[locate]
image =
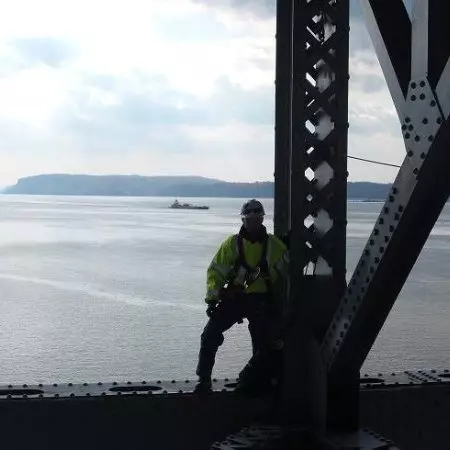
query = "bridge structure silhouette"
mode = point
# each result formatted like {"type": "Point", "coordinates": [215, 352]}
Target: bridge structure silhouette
{"type": "Point", "coordinates": [322, 402]}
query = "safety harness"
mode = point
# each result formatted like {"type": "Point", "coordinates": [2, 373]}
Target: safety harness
{"type": "Point", "coordinates": [251, 273]}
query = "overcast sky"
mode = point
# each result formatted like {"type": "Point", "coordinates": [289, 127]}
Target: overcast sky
{"type": "Point", "coordinates": [162, 87]}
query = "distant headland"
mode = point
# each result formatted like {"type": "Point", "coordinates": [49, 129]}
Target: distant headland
{"type": "Point", "coordinates": [166, 186]}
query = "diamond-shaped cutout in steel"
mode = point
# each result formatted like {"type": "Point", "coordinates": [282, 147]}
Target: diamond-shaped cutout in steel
{"type": "Point", "coordinates": [309, 173]}
{"type": "Point", "coordinates": [309, 197]}
{"type": "Point", "coordinates": [310, 79]}
{"type": "Point", "coordinates": [310, 126]}
{"type": "Point", "coordinates": [323, 173]}
{"type": "Point", "coordinates": [326, 75]}
{"type": "Point", "coordinates": [316, 18]}
{"type": "Point", "coordinates": [325, 124]}
{"type": "Point", "coordinates": [309, 220]}
{"type": "Point", "coordinates": [326, 222]}
{"type": "Point", "coordinates": [309, 268]}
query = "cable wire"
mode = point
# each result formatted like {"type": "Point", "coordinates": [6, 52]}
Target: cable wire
{"type": "Point", "coordinates": [373, 162]}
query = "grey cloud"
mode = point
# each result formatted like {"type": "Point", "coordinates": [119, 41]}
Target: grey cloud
{"type": "Point", "coordinates": [359, 37]}
{"type": "Point", "coordinates": [103, 81]}
{"type": "Point", "coordinates": [124, 125]}
{"type": "Point", "coordinates": [373, 83]}
{"type": "Point", "coordinates": [153, 108]}
{"type": "Point", "coordinates": [9, 66]}
{"type": "Point", "coordinates": [148, 105]}
{"type": "Point", "coordinates": [149, 99]}
{"type": "Point", "coordinates": [366, 83]}
{"type": "Point", "coordinates": [265, 63]}
{"type": "Point", "coordinates": [153, 87]}
{"type": "Point", "coordinates": [50, 51]}
{"type": "Point", "coordinates": [262, 8]}
{"type": "Point", "coordinates": [234, 103]}
{"type": "Point", "coordinates": [265, 8]}
{"type": "Point", "coordinates": [142, 100]}
{"type": "Point", "coordinates": [380, 122]}
{"type": "Point", "coordinates": [144, 111]}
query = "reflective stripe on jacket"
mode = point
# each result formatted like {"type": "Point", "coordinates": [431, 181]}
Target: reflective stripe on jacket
{"type": "Point", "coordinates": [225, 259]}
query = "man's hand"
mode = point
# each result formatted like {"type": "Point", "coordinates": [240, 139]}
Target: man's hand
{"type": "Point", "coordinates": [211, 308]}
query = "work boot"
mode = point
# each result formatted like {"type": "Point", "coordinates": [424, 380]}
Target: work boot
{"type": "Point", "coordinates": [206, 359]}
{"type": "Point", "coordinates": [261, 374]}
{"type": "Point", "coordinates": [203, 386]}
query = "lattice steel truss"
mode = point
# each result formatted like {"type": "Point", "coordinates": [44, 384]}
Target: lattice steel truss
{"type": "Point", "coordinates": [319, 136]}
{"type": "Point", "coordinates": [311, 172]}
{"type": "Point", "coordinates": [311, 179]}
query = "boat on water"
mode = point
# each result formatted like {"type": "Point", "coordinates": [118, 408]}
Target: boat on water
{"type": "Point", "coordinates": [177, 205]}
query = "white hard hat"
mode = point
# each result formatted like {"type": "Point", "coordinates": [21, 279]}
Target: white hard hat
{"type": "Point", "coordinates": [252, 208]}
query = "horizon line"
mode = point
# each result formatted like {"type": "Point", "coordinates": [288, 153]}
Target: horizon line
{"type": "Point", "coordinates": [165, 176]}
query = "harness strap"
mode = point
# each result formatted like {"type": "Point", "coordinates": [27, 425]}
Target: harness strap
{"type": "Point", "coordinates": [263, 265]}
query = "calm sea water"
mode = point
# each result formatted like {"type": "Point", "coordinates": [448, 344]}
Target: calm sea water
{"type": "Point", "coordinates": [112, 289]}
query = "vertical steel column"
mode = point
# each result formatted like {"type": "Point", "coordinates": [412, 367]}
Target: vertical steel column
{"type": "Point", "coordinates": [294, 396]}
{"type": "Point", "coordinates": [283, 117]}
{"type": "Point", "coordinates": [319, 145]}
{"type": "Point", "coordinates": [318, 190]}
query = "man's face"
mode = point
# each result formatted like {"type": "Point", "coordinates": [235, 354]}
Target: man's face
{"type": "Point", "coordinates": [253, 224]}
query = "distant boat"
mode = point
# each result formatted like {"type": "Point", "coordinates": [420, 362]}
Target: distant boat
{"type": "Point", "coordinates": [177, 205]}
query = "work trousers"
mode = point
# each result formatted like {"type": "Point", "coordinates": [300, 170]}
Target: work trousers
{"type": "Point", "coordinates": [259, 312]}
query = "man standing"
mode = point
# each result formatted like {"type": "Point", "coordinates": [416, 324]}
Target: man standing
{"type": "Point", "coordinates": [240, 284]}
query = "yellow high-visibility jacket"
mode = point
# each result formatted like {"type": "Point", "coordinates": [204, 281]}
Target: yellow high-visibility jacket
{"type": "Point", "coordinates": [226, 257]}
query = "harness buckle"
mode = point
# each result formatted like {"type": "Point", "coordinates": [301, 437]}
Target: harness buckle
{"type": "Point", "coordinates": [252, 276]}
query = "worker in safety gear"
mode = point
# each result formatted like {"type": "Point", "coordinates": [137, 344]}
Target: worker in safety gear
{"type": "Point", "coordinates": [241, 281]}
